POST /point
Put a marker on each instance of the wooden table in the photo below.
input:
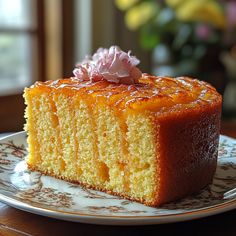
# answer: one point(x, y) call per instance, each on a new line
point(15, 222)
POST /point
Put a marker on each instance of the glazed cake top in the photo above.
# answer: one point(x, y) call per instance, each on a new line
point(111, 77)
point(150, 93)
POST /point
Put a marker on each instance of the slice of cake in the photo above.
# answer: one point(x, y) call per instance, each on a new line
point(111, 128)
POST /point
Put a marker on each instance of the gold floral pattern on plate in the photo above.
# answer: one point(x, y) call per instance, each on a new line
point(31, 191)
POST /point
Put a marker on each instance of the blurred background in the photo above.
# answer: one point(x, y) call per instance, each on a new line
point(43, 40)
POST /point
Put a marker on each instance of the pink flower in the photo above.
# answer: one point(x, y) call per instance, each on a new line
point(203, 31)
point(111, 64)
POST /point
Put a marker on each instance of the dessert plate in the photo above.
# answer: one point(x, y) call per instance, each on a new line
point(47, 196)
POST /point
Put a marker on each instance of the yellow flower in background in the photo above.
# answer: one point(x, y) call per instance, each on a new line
point(125, 4)
point(208, 11)
point(175, 3)
point(139, 15)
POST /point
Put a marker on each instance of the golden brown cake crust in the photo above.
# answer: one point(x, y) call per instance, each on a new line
point(189, 142)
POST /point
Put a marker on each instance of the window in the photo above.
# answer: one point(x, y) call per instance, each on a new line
point(18, 45)
point(21, 56)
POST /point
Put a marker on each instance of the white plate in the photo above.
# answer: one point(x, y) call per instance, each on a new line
point(43, 195)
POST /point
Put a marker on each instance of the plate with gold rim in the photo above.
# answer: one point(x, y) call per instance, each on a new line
point(43, 195)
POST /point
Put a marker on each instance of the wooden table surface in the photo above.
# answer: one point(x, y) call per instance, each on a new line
point(14, 222)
